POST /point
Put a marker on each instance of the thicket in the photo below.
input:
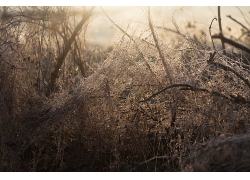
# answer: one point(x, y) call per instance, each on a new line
point(142, 105)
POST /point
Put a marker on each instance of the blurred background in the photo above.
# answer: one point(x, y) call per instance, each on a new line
point(193, 19)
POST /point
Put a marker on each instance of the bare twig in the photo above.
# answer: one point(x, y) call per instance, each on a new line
point(211, 58)
point(15, 66)
point(231, 42)
point(26, 68)
point(77, 59)
point(186, 37)
point(168, 87)
point(229, 16)
point(118, 26)
point(141, 54)
point(186, 87)
point(55, 73)
point(166, 66)
point(243, 15)
point(210, 32)
point(222, 41)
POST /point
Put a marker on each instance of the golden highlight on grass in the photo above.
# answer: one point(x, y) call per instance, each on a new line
point(118, 109)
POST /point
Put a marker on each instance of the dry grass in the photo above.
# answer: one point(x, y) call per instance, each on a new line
point(127, 117)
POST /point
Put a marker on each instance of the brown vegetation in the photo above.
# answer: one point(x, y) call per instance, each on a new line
point(124, 113)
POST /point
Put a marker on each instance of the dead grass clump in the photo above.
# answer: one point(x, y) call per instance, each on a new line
point(18, 98)
point(103, 124)
point(129, 115)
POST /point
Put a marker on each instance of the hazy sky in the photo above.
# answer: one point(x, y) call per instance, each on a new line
point(103, 31)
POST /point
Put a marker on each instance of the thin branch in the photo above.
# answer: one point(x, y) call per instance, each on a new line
point(118, 26)
point(166, 66)
point(151, 44)
point(243, 15)
point(229, 16)
point(186, 87)
point(231, 42)
point(169, 87)
point(25, 68)
point(211, 58)
point(222, 41)
point(15, 66)
point(210, 32)
point(186, 37)
point(141, 54)
point(55, 73)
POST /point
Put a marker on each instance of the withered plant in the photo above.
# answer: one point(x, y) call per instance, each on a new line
point(146, 106)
